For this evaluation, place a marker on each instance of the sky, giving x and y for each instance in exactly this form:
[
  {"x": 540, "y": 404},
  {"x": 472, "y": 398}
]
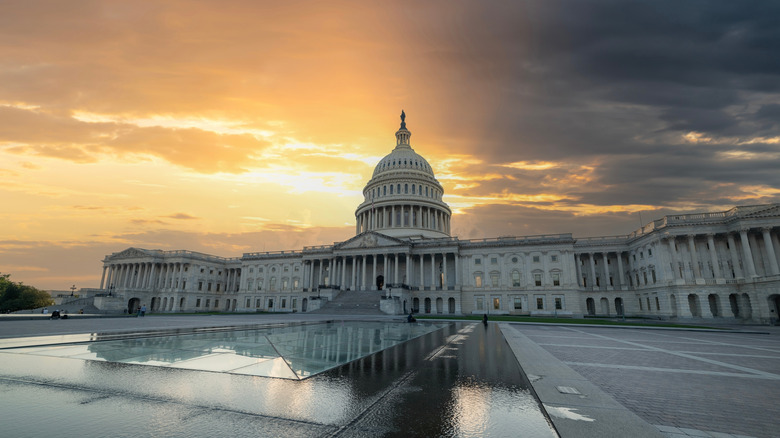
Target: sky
[{"x": 227, "y": 127}]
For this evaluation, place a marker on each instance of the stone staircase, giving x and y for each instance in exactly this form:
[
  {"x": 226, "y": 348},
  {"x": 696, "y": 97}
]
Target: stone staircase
[{"x": 354, "y": 302}]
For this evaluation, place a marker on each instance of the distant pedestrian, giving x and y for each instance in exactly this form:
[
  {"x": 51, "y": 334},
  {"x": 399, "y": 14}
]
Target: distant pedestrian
[
  {"x": 484, "y": 319},
  {"x": 143, "y": 310},
  {"x": 138, "y": 312}
]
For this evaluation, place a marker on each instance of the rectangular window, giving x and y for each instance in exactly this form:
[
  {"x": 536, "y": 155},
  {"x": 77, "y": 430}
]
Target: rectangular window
[
  {"x": 496, "y": 303},
  {"x": 294, "y": 303},
  {"x": 493, "y": 261},
  {"x": 209, "y": 288},
  {"x": 208, "y": 302},
  {"x": 515, "y": 279},
  {"x": 258, "y": 303},
  {"x": 556, "y": 278},
  {"x": 538, "y": 279},
  {"x": 197, "y": 302},
  {"x": 270, "y": 303},
  {"x": 536, "y": 259},
  {"x": 653, "y": 273},
  {"x": 284, "y": 303},
  {"x": 477, "y": 280},
  {"x": 200, "y": 285},
  {"x": 480, "y": 303},
  {"x": 539, "y": 303},
  {"x": 477, "y": 261},
  {"x": 553, "y": 258},
  {"x": 218, "y": 285},
  {"x": 518, "y": 303},
  {"x": 494, "y": 277},
  {"x": 558, "y": 303},
  {"x": 649, "y": 252},
  {"x": 216, "y": 304},
  {"x": 598, "y": 281},
  {"x": 248, "y": 302}
]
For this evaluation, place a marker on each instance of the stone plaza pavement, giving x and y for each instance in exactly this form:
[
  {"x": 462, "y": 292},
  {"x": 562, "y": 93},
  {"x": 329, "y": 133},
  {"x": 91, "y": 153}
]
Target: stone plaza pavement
[
  {"x": 686, "y": 383},
  {"x": 683, "y": 382}
]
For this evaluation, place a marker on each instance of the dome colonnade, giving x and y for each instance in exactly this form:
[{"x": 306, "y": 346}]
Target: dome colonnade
[{"x": 403, "y": 197}]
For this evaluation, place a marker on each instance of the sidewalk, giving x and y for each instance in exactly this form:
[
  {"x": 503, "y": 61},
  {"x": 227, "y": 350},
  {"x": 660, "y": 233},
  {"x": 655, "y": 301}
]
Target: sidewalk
[{"x": 686, "y": 383}]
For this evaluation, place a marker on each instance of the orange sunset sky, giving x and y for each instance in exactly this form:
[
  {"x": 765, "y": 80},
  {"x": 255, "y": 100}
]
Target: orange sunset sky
[{"x": 228, "y": 127}]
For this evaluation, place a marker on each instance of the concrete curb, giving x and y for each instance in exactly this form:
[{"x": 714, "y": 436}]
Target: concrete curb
[{"x": 577, "y": 408}]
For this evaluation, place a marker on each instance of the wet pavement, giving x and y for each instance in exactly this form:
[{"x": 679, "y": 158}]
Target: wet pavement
[
  {"x": 460, "y": 380},
  {"x": 686, "y": 383}
]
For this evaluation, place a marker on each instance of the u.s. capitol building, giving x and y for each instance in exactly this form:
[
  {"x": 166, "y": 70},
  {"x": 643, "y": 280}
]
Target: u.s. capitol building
[{"x": 403, "y": 258}]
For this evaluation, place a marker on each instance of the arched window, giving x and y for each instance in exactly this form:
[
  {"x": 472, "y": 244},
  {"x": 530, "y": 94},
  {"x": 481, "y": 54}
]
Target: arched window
[
  {"x": 384, "y": 190},
  {"x": 413, "y": 189},
  {"x": 406, "y": 188},
  {"x": 391, "y": 189}
]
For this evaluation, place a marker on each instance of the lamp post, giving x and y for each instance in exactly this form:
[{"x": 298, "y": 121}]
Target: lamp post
[
  {"x": 111, "y": 290},
  {"x": 72, "y": 289}
]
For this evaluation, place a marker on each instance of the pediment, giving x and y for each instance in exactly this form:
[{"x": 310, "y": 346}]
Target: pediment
[
  {"x": 129, "y": 253},
  {"x": 370, "y": 239},
  {"x": 769, "y": 211}
]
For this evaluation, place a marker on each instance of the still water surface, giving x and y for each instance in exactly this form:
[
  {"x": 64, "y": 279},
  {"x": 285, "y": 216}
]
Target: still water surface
[{"x": 347, "y": 379}]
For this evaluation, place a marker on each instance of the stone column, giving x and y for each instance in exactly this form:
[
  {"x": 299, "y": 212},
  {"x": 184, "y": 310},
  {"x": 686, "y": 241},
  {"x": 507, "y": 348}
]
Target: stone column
[
  {"x": 344, "y": 273},
  {"x": 385, "y": 269},
  {"x": 395, "y": 273},
  {"x": 713, "y": 255},
  {"x": 373, "y": 276},
  {"x": 606, "y": 271},
  {"x": 577, "y": 270},
  {"x": 673, "y": 254},
  {"x": 444, "y": 262},
  {"x": 620, "y": 273},
  {"x": 110, "y": 277},
  {"x": 103, "y": 277},
  {"x": 734, "y": 255},
  {"x": 363, "y": 273},
  {"x": 748, "y": 255},
  {"x": 694, "y": 258},
  {"x": 422, "y": 271},
  {"x": 456, "y": 272},
  {"x": 433, "y": 271},
  {"x": 770, "y": 251},
  {"x": 592, "y": 271}
]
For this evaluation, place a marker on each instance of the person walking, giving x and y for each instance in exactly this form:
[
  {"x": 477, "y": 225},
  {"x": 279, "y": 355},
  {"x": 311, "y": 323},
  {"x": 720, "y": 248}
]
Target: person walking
[{"x": 143, "y": 310}]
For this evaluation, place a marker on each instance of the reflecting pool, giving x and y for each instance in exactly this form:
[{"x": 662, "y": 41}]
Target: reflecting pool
[
  {"x": 350, "y": 379},
  {"x": 285, "y": 351}
]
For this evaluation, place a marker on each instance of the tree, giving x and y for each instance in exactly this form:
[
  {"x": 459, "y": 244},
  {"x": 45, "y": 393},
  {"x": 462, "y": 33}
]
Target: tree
[{"x": 17, "y": 296}]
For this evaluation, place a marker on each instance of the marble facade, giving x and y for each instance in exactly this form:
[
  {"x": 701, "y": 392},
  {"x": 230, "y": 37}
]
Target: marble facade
[{"x": 701, "y": 265}]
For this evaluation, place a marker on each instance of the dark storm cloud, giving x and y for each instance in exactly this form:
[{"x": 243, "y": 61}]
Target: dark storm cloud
[{"x": 621, "y": 84}]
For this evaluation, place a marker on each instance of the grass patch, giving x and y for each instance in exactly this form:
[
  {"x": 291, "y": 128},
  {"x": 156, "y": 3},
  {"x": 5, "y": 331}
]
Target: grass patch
[{"x": 583, "y": 321}]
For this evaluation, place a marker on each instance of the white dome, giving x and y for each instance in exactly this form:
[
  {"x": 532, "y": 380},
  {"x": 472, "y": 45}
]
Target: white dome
[{"x": 403, "y": 197}]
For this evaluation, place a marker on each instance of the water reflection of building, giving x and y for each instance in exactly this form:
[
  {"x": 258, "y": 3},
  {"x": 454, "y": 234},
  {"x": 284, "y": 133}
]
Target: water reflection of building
[
  {"x": 703, "y": 265},
  {"x": 307, "y": 349}
]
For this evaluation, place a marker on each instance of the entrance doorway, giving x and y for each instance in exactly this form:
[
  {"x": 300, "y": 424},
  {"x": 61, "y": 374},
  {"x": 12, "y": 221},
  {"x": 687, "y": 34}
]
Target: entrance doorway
[
  {"x": 774, "y": 309},
  {"x": 380, "y": 282},
  {"x": 591, "y": 306},
  {"x": 132, "y": 305}
]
